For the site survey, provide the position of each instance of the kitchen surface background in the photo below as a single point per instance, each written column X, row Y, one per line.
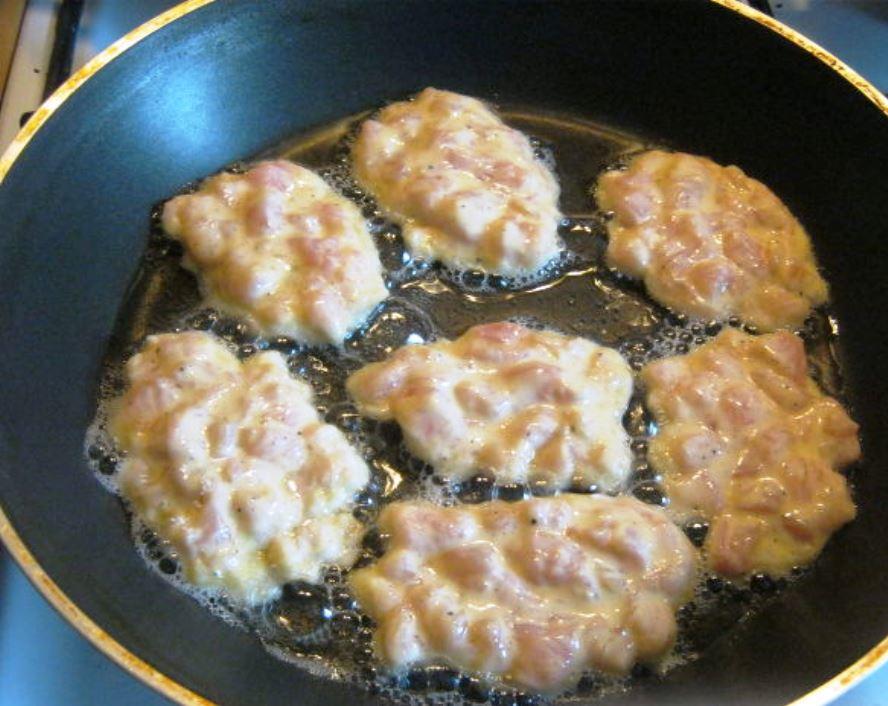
column 44, row 661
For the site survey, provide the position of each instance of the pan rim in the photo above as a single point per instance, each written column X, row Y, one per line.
column 144, row 672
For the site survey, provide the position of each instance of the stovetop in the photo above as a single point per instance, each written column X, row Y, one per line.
column 44, row 661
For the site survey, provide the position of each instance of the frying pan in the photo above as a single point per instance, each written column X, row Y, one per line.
column 208, row 83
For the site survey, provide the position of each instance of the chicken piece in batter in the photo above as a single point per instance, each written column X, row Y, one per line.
column 278, row 247
column 508, row 402
column 748, row 442
column 709, row 241
column 532, row 592
column 231, row 465
column 466, row 188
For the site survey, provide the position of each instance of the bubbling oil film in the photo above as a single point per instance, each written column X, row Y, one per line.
column 320, row 628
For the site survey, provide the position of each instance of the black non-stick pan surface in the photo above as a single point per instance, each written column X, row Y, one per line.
column 231, row 79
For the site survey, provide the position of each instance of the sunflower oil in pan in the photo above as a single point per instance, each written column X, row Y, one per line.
column 320, row 628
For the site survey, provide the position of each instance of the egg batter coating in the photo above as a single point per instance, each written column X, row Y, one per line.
column 279, row 248
column 466, row 188
column 508, row 402
column 532, row 592
column 230, row 463
column 748, row 442
column 709, row 241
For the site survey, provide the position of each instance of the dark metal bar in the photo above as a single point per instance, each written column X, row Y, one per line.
column 762, row 6
column 67, row 24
